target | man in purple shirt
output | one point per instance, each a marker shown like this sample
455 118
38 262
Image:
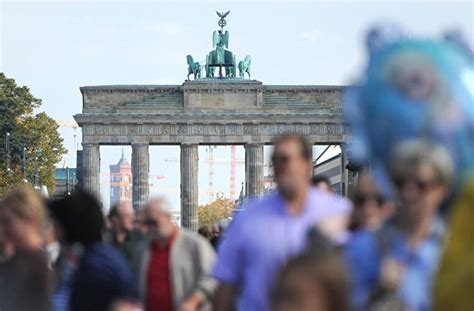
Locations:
271 230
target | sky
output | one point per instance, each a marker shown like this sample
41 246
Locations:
55 47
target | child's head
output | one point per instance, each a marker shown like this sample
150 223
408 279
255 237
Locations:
312 282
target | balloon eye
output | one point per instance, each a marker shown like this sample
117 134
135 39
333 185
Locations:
417 83
416 80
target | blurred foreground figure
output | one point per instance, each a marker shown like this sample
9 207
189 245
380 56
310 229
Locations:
316 280
122 234
371 208
139 223
205 232
412 88
93 275
420 88
271 230
455 279
394 267
52 245
25 278
173 264
217 231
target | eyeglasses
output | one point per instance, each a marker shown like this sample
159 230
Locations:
360 199
283 159
422 185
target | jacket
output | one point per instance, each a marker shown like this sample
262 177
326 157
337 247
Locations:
191 260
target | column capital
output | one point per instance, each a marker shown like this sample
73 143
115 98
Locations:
255 144
89 144
189 145
140 144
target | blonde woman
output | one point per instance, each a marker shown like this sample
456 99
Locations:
25 278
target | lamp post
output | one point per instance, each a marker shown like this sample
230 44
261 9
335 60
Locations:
68 190
23 164
73 181
8 156
36 175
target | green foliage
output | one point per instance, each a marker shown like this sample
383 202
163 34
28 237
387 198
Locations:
37 133
211 213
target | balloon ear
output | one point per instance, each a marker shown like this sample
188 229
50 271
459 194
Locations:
379 36
456 37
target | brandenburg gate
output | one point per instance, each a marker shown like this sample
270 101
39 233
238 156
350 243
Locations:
219 109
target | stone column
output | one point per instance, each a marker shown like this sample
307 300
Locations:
253 170
344 180
91 168
189 186
140 172
313 164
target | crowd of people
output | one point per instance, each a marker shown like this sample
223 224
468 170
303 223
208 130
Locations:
401 241
301 247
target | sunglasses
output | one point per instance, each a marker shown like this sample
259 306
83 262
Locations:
422 185
360 199
281 159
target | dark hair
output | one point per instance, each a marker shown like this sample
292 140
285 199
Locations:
323 265
80 217
205 232
317 179
113 212
305 148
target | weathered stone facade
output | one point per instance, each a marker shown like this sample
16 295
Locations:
206 111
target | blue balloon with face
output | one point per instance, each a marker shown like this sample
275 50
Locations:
413 88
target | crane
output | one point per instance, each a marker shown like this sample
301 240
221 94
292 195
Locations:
210 160
234 162
233 171
211 163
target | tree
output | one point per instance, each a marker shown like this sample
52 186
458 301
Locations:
37 133
220 208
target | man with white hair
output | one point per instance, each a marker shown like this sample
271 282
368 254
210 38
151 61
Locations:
173 264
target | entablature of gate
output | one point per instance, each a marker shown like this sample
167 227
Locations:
227 95
211 133
210 111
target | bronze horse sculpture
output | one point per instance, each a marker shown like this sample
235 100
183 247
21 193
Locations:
194 68
244 66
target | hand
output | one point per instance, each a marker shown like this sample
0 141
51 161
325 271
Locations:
191 304
392 273
333 227
123 305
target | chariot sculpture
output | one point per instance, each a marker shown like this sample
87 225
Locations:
220 59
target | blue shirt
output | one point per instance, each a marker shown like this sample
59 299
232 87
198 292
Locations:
263 237
364 255
102 277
